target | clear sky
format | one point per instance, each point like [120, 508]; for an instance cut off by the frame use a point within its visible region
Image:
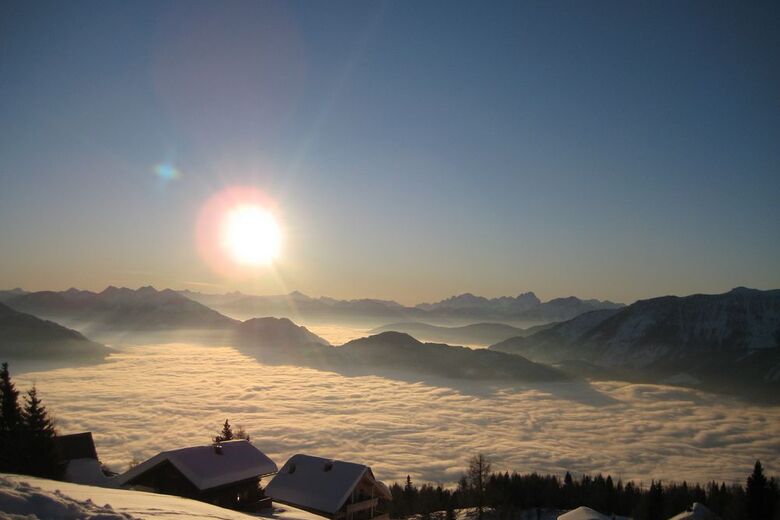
[413, 150]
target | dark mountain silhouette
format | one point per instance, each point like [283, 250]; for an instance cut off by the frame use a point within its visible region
[7, 294]
[277, 331]
[279, 340]
[121, 309]
[727, 341]
[401, 351]
[475, 334]
[25, 337]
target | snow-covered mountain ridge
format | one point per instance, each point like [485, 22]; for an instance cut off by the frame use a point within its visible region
[736, 333]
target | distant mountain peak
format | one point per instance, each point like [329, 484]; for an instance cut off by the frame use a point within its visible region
[398, 338]
[277, 330]
[743, 290]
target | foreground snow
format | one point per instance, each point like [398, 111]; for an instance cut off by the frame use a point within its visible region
[30, 498]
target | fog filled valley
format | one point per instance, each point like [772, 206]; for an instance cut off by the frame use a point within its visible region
[147, 399]
[173, 369]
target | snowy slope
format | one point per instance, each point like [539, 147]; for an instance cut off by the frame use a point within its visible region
[34, 498]
[660, 329]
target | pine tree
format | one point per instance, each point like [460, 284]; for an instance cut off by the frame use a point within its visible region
[655, 502]
[40, 457]
[226, 434]
[568, 491]
[410, 497]
[757, 492]
[10, 423]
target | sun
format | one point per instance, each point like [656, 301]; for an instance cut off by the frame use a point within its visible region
[240, 233]
[251, 235]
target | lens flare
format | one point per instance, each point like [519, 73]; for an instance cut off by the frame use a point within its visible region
[239, 233]
[167, 171]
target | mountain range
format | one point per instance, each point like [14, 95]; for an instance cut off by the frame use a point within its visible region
[149, 309]
[462, 309]
[526, 307]
[123, 309]
[727, 341]
[271, 339]
[724, 342]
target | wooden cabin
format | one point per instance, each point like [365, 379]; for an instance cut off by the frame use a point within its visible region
[331, 488]
[228, 474]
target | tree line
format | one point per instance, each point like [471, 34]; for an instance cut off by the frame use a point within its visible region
[27, 435]
[505, 495]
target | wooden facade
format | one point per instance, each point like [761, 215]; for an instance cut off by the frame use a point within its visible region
[363, 504]
[167, 479]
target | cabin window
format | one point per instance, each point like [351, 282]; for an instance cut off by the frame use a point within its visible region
[328, 466]
[291, 468]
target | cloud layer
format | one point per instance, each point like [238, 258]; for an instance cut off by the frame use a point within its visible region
[150, 398]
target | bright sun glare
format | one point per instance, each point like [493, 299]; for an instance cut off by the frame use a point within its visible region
[252, 235]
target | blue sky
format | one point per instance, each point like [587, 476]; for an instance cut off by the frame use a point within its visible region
[414, 149]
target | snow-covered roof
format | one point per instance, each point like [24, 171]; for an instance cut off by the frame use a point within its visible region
[86, 471]
[207, 467]
[319, 484]
[583, 513]
[696, 512]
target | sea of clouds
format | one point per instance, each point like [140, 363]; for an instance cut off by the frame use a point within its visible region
[151, 398]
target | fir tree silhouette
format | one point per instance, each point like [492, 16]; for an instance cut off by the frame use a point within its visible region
[38, 438]
[226, 434]
[758, 494]
[10, 424]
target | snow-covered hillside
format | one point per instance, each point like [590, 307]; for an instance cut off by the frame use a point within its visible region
[34, 498]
